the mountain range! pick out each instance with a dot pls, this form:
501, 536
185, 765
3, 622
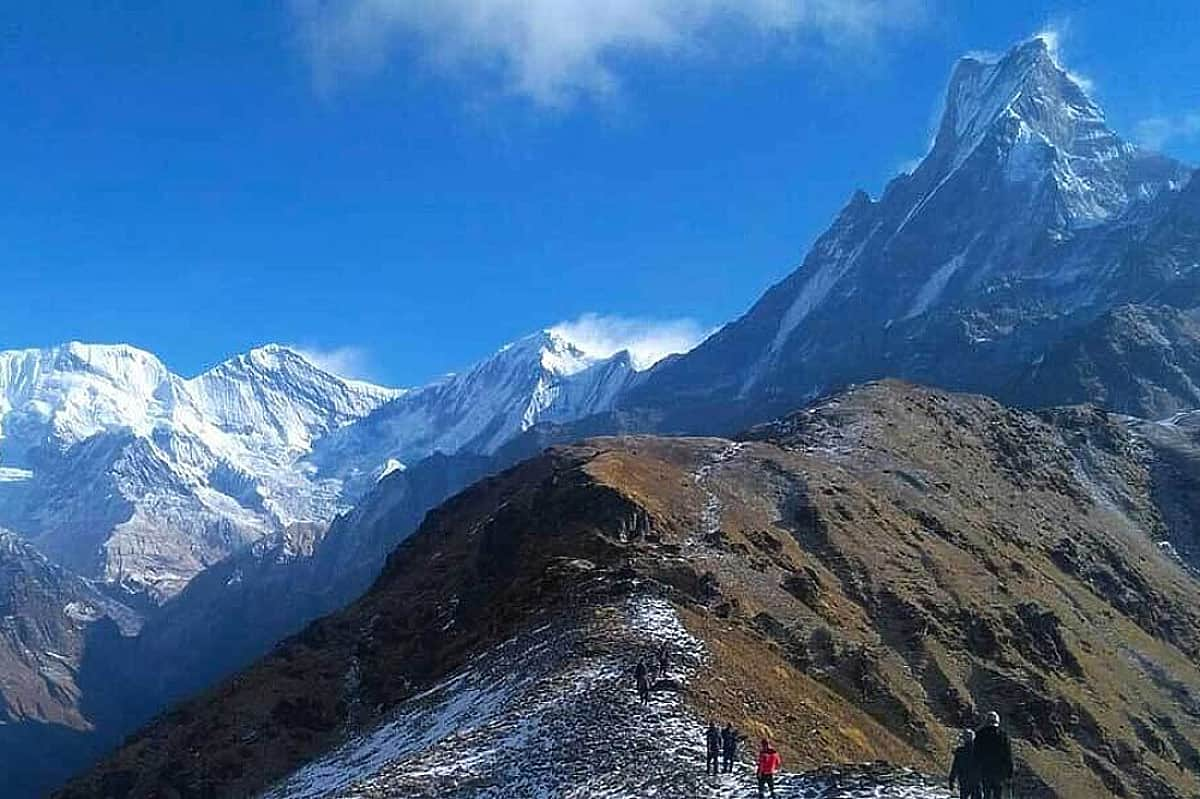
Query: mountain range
858, 581
214, 513
1033, 256
132, 475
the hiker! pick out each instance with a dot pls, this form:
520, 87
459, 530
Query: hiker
729, 741
964, 772
768, 765
712, 766
643, 682
993, 757
662, 662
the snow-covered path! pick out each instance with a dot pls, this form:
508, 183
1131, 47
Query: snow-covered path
553, 714
710, 514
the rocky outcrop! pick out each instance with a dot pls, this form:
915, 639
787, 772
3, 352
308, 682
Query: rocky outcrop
1138, 360
52, 623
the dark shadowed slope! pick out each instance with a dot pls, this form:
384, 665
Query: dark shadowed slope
52, 624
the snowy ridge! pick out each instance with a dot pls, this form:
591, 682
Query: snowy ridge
132, 474
552, 713
544, 377
126, 472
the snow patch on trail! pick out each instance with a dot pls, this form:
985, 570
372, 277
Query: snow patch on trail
496, 727
553, 714
710, 513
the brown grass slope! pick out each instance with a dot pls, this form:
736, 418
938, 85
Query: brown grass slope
868, 575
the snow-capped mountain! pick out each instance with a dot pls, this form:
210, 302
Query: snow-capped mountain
128, 473
544, 377
124, 471
1027, 115
1028, 218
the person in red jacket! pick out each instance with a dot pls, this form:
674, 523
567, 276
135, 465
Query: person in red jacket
768, 764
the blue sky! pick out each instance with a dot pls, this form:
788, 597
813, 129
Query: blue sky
403, 186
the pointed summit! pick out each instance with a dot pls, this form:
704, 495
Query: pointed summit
1026, 85
548, 350
1024, 118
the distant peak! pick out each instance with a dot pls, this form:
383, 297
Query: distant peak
1027, 81
265, 358
551, 350
275, 354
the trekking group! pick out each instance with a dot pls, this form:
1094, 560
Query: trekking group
722, 748
722, 753
721, 744
982, 767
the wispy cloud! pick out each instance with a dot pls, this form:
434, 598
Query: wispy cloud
647, 340
1156, 132
350, 362
1054, 36
554, 51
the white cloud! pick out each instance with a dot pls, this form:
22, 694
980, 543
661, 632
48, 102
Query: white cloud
647, 340
1154, 133
350, 362
553, 51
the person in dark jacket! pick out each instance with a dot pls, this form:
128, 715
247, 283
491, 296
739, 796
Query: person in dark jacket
963, 772
643, 681
993, 757
729, 742
713, 739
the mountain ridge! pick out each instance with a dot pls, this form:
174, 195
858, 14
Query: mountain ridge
199, 467
869, 552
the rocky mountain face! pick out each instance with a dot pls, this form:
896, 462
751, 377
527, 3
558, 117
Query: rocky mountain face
1028, 220
235, 611
857, 580
1171, 451
49, 620
1140, 360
